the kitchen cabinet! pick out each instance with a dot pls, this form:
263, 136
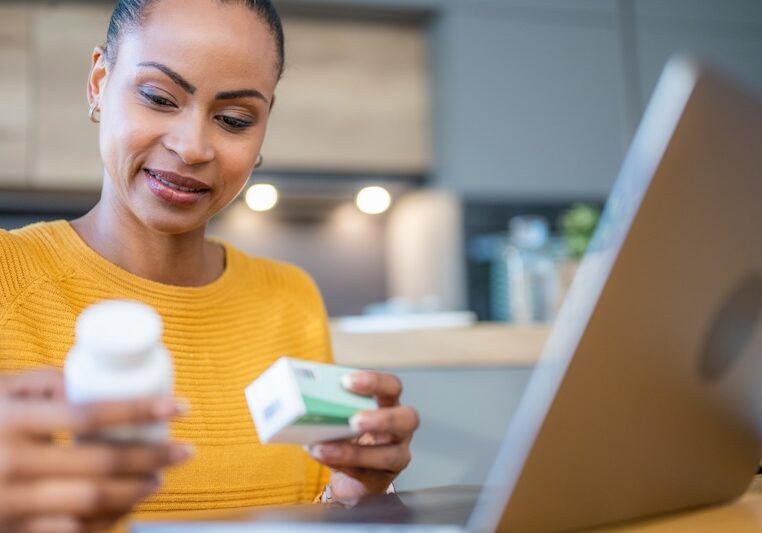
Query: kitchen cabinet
15, 109
354, 98
63, 38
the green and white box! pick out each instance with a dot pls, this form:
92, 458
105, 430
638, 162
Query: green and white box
300, 402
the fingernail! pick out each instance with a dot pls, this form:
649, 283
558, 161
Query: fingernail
315, 450
357, 423
182, 406
164, 407
153, 484
333, 452
347, 381
355, 380
181, 452
327, 451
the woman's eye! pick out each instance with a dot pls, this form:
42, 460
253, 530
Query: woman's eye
235, 124
157, 100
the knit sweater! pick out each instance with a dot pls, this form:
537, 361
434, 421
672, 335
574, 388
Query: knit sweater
221, 337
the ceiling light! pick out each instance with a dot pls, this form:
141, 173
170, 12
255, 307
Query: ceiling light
261, 197
373, 200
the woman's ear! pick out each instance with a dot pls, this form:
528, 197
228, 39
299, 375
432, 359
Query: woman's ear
97, 77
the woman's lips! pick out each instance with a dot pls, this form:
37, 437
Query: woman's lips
175, 189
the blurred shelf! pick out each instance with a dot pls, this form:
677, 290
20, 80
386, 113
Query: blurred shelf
486, 344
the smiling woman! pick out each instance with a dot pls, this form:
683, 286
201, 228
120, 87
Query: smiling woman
182, 91
183, 103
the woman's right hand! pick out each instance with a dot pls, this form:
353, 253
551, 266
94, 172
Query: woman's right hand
85, 486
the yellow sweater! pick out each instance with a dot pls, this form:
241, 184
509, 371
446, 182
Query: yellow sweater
221, 337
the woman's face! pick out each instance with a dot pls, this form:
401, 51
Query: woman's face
184, 111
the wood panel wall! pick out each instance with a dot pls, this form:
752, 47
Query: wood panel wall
354, 98
15, 94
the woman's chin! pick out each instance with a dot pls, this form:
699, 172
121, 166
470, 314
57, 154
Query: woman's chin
171, 223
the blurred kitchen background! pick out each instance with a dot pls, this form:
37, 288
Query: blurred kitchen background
494, 127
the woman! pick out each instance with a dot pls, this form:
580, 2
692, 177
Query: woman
182, 91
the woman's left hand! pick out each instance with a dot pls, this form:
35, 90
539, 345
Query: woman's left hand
368, 463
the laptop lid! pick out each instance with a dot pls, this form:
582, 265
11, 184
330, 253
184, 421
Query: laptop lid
647, 397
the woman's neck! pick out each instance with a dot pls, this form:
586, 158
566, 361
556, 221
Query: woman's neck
186, 260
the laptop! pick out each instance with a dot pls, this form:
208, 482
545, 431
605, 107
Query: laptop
647, 398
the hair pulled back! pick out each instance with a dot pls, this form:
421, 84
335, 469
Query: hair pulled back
129, 15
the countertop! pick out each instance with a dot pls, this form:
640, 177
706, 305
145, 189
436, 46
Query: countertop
485, 344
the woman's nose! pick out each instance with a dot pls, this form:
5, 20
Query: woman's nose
190, 141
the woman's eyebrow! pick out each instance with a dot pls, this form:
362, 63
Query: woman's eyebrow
190, 88
243, 93
174, 76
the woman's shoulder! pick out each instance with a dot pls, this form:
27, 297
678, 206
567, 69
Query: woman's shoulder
24, 253
17, 243
35, 240
32, 235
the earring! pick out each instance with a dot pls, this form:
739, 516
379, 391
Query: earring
95, 119
259, 162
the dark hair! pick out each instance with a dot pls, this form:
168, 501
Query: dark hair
128, 15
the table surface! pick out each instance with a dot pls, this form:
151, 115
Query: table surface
485, 344
741, 516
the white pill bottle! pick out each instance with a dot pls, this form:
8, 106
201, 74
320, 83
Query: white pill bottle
118, 355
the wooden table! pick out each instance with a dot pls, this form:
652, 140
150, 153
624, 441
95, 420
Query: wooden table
741, 516
486, 344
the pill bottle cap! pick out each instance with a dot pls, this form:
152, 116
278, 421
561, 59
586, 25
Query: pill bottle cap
119, 332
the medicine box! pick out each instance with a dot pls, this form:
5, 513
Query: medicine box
301, 402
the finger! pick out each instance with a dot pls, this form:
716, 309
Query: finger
97, 416
49, 524
375, 482
34, 417
93, 460
103, 523
45, 383
401, 422
390, 458
387, 388
77, 497
41, 418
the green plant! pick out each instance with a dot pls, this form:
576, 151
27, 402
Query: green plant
577, 227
